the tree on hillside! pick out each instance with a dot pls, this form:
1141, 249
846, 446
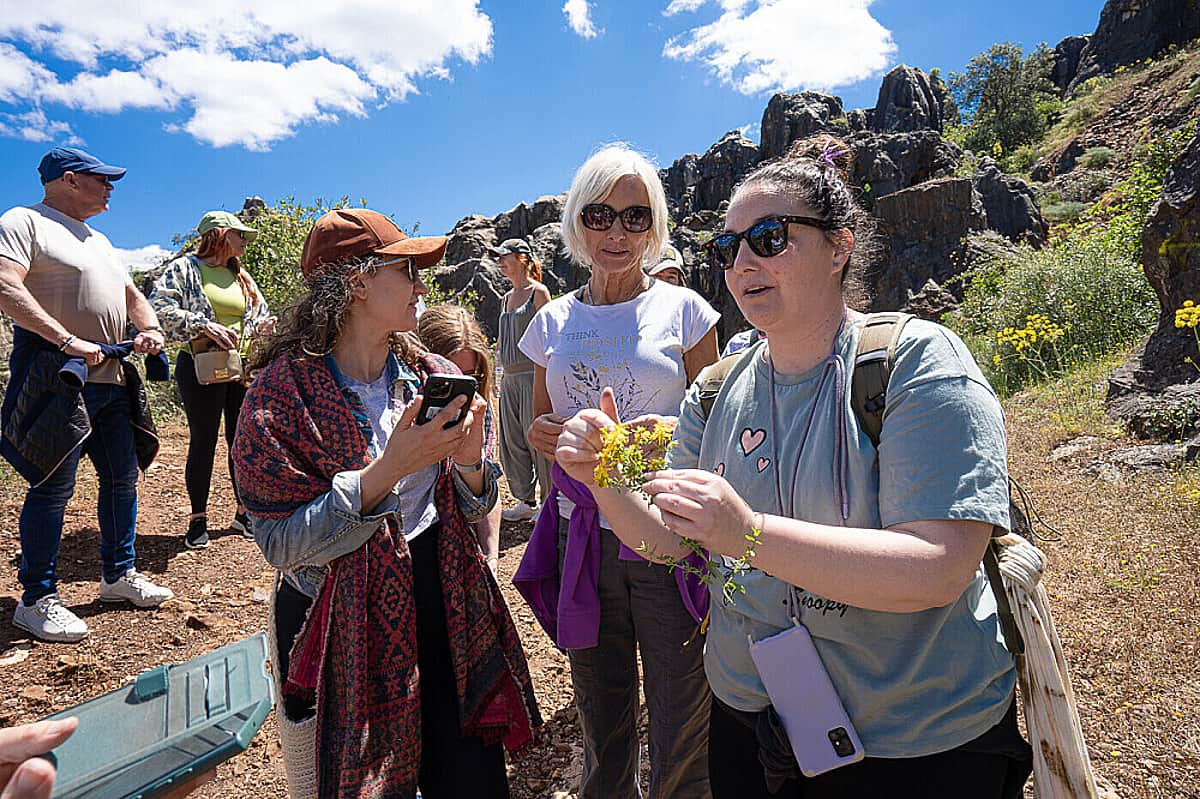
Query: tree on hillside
1005, 97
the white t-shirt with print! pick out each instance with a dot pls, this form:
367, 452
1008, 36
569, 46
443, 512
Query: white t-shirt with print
636, 347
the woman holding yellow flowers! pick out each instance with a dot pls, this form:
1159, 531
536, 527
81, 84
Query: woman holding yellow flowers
209, 296
864, 588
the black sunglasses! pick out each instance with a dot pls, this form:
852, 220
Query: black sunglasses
410, 266
766, 237
635, 218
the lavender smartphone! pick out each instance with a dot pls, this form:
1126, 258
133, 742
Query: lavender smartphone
817, 724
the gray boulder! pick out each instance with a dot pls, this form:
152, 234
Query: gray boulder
789, 117
860, 118
1012, 209
889, 162
932, 302
522, 220
1131, 30
559, 272
923, 230
695, 182
1066, 60
907, 102
470, 238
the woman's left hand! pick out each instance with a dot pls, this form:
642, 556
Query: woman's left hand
704, 507
471, 450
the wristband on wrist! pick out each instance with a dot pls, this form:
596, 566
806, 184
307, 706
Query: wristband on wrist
469, 468
66, 343
152, 327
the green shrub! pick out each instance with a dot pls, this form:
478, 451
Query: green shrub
1079, 112
1097, 157
1063, 211
1193, 89
1032, 315
1021, 160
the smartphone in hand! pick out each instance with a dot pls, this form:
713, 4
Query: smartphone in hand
438, 392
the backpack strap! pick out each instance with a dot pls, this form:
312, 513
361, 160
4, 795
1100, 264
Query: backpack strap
873, 363
712, 377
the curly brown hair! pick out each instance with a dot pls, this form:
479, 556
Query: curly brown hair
314, 322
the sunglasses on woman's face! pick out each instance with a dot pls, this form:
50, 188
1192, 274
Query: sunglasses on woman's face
766, 237
410, 266
598, 216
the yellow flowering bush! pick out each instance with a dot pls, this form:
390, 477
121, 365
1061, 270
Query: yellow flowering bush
1189, 316
626, 455
1034, 345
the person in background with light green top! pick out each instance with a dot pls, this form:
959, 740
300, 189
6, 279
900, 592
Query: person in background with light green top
208, 294
874, 549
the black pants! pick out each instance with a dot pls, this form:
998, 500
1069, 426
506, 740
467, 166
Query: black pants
993, 766
204, 406
452, 765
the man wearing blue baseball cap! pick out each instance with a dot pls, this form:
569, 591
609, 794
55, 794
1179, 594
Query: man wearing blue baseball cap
67, 292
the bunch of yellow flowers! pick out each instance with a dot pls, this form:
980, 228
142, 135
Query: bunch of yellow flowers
1188, 315
629, 452
1037, 327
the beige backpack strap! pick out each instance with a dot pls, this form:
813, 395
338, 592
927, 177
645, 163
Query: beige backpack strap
873, 362
712, 377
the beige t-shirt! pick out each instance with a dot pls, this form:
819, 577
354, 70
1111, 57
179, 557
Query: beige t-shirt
74, 273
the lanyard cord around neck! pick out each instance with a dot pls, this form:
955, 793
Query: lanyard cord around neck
832, 363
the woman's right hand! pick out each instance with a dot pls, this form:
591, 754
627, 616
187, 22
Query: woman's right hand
543, 433
411, 447
579, 442
224, 337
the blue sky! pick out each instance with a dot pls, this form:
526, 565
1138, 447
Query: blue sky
434, 109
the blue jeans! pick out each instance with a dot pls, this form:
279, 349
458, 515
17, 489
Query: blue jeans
110, 448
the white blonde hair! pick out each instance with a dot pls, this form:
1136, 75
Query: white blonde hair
595, 181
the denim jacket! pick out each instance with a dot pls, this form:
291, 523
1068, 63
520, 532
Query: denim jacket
333, 524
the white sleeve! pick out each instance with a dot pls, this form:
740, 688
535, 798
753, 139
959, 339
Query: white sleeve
698, 318
533, 343
16, 236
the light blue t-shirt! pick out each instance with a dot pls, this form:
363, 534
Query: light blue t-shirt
913, 683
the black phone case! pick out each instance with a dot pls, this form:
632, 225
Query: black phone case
439, 391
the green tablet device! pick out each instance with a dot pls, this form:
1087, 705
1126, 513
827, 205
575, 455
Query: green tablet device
172, 724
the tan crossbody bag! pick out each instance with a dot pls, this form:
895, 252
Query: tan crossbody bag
213, 364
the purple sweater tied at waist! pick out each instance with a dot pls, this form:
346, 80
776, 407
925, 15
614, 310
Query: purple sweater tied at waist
567, 603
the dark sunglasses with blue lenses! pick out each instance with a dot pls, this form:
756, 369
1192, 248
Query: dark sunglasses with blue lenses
766, 237
635, 218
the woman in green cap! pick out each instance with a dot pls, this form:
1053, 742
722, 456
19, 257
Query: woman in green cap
208, 297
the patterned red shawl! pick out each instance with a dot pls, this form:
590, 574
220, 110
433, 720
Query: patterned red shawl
357, 652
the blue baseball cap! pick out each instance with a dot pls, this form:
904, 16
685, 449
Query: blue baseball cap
71, 159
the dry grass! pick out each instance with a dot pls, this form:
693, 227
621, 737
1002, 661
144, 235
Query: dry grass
1123, 579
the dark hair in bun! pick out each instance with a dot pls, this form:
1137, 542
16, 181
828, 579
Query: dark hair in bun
815, 172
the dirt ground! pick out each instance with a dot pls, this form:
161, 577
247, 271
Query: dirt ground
1123, 581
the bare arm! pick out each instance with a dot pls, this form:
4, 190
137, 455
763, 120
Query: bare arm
26, 311
150, 337
543, 432
703, 354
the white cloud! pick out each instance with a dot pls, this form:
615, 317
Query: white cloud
33, 125
233, 73
758, 46
579, 17
143, 258
751, 130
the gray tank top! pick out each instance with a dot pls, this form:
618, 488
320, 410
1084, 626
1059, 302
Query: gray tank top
511, 327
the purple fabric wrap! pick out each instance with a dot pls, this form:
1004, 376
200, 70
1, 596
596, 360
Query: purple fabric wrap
567, 604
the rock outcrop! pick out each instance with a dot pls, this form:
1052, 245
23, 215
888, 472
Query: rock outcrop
697, 182
907, 102
1011, 207
789, 117
1161, 380
889, 162
1131, 30
923, 228
1066, 60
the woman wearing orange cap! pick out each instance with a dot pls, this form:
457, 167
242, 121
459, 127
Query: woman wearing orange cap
397, 661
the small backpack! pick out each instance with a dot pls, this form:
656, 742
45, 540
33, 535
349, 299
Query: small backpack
874, 361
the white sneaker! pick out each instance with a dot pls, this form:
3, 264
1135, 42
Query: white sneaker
134, 587
49, 620
520, 512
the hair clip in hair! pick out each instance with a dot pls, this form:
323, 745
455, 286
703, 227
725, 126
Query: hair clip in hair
831, 152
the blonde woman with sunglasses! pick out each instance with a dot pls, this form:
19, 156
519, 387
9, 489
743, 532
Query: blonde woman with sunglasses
648, 340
